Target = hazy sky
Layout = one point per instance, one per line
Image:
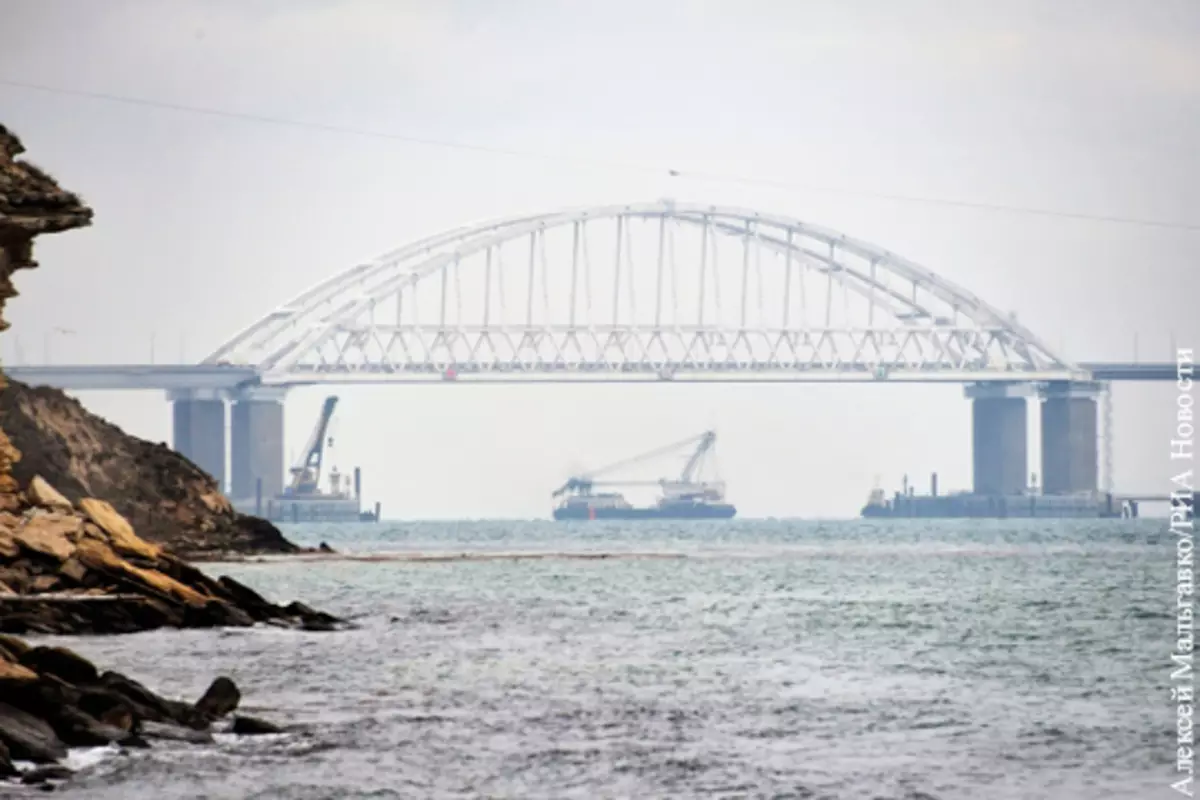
(205, 223)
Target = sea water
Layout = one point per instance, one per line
(890, 659)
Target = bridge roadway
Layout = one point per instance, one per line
(224, 378)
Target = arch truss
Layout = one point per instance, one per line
(640, 292)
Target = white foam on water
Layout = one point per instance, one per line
(81, 758)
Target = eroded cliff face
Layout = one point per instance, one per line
(31, 203)
(168, 499)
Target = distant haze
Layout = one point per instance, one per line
(205, 223)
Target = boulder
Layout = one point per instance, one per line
(8, 542)
(221, 698)
(41, 493)
(248, 600)
(42, 584)
(98, 556)
(216, 614)
(108, 707)
(185, 573)
(73, 569)
(16, 647)
(50, 534)
(149, 707)
(66, 665)
(14, 578)
(7, 770)
(11, 673)
(253, 726)
(29, 738)
(120, 532)
(76, 728)
(43, 775)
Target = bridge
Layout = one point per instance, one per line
(646, 292)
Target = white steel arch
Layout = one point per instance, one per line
(517, 299)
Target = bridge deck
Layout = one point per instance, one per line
(184, 377)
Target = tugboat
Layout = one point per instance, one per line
(684, 498)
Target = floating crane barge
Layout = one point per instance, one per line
(684, 498)
(302, 499)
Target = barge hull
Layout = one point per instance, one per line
(968, 506)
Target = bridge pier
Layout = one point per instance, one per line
(1070, 457)
(198, 428)
(257, 447)
(999, 437)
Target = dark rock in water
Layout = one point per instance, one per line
(7, 770)
(221, 698)
(109, 707)
(29, 738)
(147, 705)
(318, 625)
(298, 609)
(42, 696)
(61, 663)
(216, 614)
(249, 600)
(324, 548)
(78, 729)
(311, 619)
(53, 772)
(176, 733)
(253, 726)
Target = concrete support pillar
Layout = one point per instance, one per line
(1070, 461)
(999, 437)
(257, 443)
(198, 433)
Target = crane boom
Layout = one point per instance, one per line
(707, 439)
(306, 474)
(703, 443)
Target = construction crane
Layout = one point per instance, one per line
(306, 474)
(703, 443)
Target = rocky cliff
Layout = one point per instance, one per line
(80, 568)
(70, 560)
(167, 498)
(31, 203)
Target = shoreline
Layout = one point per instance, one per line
(433, 557)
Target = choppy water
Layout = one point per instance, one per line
(911, 660)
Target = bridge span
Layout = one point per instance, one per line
(645, 292)
(231, 379)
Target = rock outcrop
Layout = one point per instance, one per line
(70, 561)
(170, 500)
(31, 203)
(81, 568)
(51, 699)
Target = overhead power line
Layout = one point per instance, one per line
(711, 177)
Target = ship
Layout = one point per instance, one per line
(302, 499)
(682, 498)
